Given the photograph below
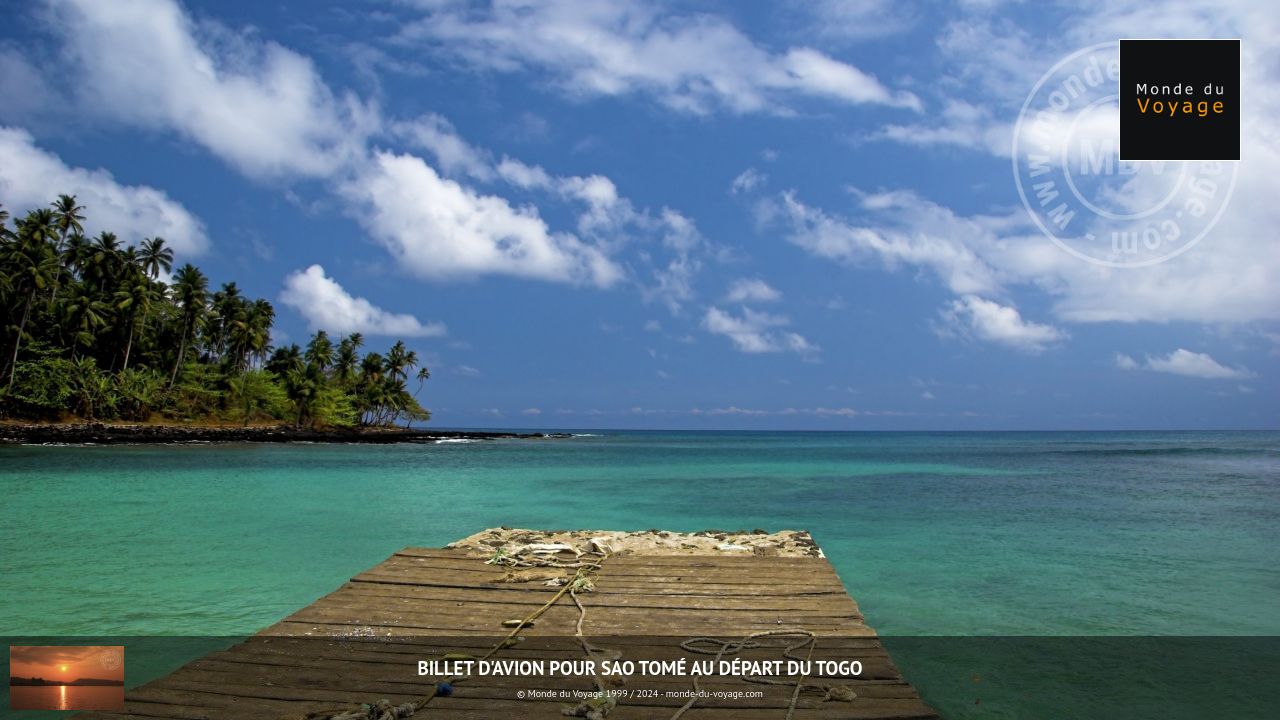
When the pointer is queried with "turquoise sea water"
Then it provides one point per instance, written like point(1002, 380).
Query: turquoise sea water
point(935, 534)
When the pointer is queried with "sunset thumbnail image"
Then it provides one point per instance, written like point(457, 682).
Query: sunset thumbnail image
point(66, 677)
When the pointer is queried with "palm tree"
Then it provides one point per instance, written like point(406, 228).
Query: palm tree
point(400, 360)
point(154, 257)
point(77, 254)
point(423, 375)
point(228, 305)
point(67, 217)
point(101, 260)
point(31, 266)
point(285, 360)
point(258, 328)
point(132, 300)
point(346, 360)
point(84, 314)
point(320, 351)
point(301, 387)
point(191, 290)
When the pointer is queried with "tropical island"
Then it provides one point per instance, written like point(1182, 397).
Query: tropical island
point(41, 682)
point(100, 343)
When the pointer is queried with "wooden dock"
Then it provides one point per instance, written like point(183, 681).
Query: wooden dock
point(362, 643)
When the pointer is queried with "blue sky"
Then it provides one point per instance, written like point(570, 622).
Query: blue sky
point(689, 215)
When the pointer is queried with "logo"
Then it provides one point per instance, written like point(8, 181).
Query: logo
point(1097, 207)
point(111, 656)
point(1180, 99)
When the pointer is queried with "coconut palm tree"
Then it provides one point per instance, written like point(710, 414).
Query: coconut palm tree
point(30, 266)
point(301, 386)
point(134, 300)
point(320, 351)
point(191, 290)
point(423, 375)
point(346, 359)
point(154, 257)
point(84, 314)
point(67, 217)
point(285, 360)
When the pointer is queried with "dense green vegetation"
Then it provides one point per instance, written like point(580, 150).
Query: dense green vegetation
point(90, 331)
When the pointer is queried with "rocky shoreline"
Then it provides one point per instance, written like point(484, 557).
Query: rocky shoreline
point(114, 434)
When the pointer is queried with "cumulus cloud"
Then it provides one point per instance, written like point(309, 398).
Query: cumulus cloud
point(693, 63)
point(1226, 278)
point(909, 232)
point(852, 20)
point(454, 156)
point(266, 111)
point(747, 180)
point(751, 290)
point(31, 177)
point(1186, 363)
point(1125, 362)
point(259, 106)
point(327, 306)
point(439, 228)
point(611, 222)
point(988, 320)
point(756, 332)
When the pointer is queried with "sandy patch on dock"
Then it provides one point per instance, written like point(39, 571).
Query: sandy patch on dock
point(785, 543)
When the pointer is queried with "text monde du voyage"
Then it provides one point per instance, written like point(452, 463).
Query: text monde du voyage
point(1179, 99)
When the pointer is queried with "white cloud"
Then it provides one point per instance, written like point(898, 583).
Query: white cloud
point(925, 235)
point(266, 110)
point(987, 320)
point(731, 410)
point(1187, 363)
point(755, 332)
point(531, 411)
point(612, 222)
point(853, 20)
point(845, 412)
point(692, 63)
point(326, 305)
point(258, 106)
point(31, 177)
point(454, 155)
point(439, 228)
point(747, 180)
point(1228, 277)
point(26, 94)
point(751, 290)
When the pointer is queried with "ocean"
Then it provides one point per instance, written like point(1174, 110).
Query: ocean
point(1146, 549)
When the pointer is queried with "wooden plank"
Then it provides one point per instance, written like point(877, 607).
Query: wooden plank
point(362, 642)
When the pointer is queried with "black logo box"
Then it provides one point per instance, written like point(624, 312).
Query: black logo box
point(1187, 68)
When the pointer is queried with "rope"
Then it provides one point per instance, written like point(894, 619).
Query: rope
point(581, 582)
point(600, 706)
point(749, 642)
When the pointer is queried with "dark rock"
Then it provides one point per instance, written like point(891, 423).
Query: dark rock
point(101, 434)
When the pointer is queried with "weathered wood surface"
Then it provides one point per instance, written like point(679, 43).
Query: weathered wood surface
point(362, 642)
